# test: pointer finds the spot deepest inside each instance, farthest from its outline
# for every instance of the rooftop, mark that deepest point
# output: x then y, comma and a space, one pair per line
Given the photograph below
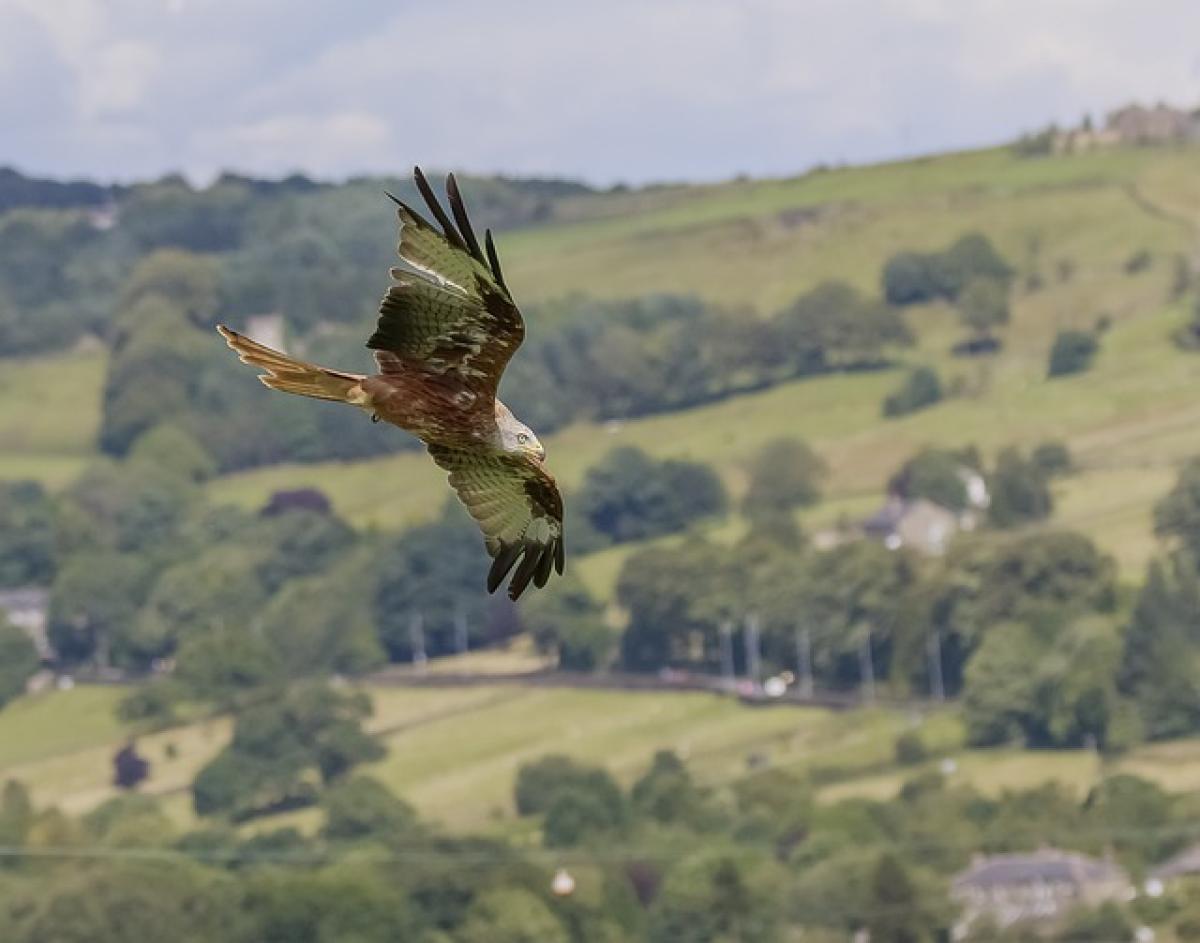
1048, 866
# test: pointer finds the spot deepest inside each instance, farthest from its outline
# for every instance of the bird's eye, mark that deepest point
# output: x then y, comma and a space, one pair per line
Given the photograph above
522, 438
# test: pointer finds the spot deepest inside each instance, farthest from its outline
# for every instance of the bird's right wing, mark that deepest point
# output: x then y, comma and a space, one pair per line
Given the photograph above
449, 311
518, 507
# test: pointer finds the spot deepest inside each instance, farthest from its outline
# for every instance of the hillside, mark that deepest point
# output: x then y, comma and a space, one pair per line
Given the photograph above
758, 244
1129, 420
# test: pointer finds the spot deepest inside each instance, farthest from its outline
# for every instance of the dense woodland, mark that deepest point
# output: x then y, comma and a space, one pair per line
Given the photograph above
664, 860
216, 609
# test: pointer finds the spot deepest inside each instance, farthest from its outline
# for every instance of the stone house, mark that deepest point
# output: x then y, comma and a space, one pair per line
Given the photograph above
1160, 124
1042, 886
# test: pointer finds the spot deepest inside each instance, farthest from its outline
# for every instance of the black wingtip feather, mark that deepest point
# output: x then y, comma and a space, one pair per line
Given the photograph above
493, 258
544, 566
560, 554
505, 558
459, 209
395, 199
525, 572
439, 214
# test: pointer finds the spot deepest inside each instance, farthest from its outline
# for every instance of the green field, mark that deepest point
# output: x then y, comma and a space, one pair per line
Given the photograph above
49, 415
758, 244
454, 752
1130, 421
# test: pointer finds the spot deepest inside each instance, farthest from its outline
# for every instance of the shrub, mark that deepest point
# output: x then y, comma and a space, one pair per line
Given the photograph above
1052, 458
921, 388
1138, 262
910, 749
1073, 352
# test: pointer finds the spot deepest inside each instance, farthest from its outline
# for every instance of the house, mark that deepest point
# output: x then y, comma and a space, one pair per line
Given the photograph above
920, 524
26, 609
1042, 886
1161, 124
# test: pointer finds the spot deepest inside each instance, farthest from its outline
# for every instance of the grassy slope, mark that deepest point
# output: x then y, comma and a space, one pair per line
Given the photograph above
454, 752
49, 415
1131, 419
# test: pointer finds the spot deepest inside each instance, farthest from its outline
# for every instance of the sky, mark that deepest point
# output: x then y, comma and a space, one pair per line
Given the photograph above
605, 91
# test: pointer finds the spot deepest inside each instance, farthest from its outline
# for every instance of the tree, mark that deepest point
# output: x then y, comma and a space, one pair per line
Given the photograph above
363, 808
667, 793
1033, 579
969, 258
221, 663
998, 688
1072, 352
433, 571
187, 280
852, 596
718, 896
895, 913
833, 327
26, 535
567, 621
1135, 816
677, 597
1106, 922
908, 278
540, 782
784, 474
326, 622
628, 496
1052, 458
921, 389
511, 915
983, 305
19, 661
938, 475
910, 749
1158, 665
129, 767
132, 900
217, 591
16, 814
347, 902
168, 447
279, 744
1178, 514
1018, 490
94, 601
913, 277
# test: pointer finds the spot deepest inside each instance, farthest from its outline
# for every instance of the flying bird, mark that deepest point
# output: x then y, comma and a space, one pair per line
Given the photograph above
447, 328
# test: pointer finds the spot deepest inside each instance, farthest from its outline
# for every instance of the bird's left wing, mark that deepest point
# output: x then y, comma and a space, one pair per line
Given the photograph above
518, 507
448, 310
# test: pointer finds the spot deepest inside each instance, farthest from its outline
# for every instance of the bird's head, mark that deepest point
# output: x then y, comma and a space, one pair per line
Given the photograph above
517, 437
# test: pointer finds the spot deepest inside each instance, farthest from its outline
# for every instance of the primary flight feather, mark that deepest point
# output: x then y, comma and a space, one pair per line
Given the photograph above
447, 328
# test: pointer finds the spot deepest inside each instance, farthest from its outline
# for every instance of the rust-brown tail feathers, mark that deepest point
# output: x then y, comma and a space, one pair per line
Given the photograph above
295, 376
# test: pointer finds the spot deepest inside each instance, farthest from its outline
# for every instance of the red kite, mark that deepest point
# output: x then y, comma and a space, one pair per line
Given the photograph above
447, 327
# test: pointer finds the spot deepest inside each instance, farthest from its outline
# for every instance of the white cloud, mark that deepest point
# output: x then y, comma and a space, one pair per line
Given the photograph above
119, 79
623, 89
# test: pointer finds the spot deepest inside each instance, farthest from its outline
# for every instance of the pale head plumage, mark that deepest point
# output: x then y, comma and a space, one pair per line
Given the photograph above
515, 436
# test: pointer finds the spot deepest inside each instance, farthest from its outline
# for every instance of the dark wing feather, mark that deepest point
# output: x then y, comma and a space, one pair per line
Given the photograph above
448, 311
517, 506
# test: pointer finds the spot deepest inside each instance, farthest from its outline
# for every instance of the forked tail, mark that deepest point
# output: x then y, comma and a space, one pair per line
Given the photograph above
295, 376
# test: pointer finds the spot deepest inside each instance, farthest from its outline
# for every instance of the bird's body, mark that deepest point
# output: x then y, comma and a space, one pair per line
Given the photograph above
447, 328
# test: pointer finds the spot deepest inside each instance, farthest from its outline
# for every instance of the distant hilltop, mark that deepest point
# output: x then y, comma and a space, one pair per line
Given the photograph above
1132, 125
